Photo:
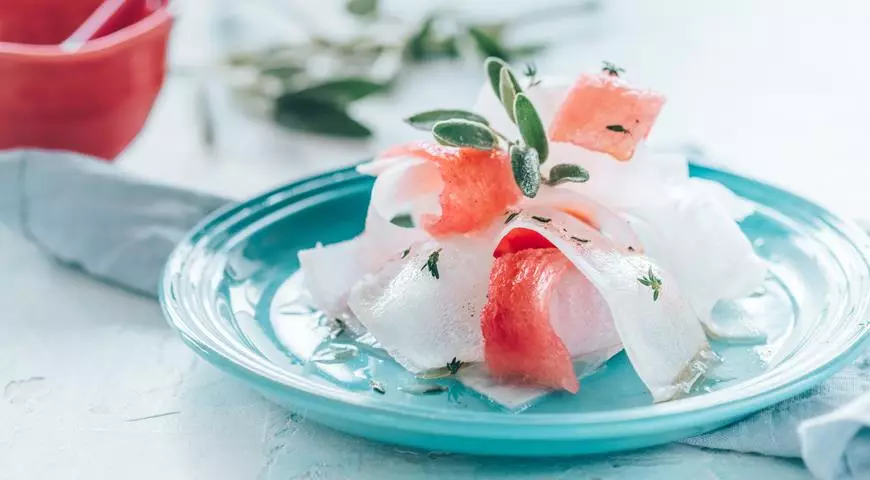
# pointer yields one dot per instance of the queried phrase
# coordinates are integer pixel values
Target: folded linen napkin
(120, 229)
(90, 215)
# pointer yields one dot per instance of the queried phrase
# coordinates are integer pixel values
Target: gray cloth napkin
(121, 230)
(86, 213)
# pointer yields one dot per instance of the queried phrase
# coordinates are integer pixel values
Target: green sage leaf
(566, 172)
(464, 133)
(342, 91)
(427, 120)
(507, 92)
(317, 116)
(487, 45)
(531, 128)
(525, 165)
(493, 67)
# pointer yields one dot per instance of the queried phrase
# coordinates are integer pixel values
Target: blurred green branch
(308, 86)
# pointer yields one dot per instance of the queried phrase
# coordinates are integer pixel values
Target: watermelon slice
(594, 304)
(520, 239)
(478, 186)
(602, 113)
(519, 341)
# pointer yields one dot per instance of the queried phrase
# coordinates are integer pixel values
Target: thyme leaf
(653, 282)
(377, 387)
(612, 69)
(618, 129)
(432, 264)
(454, 365)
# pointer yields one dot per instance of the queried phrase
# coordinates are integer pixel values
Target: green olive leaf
(427, 120)
(342, 91)
(418, 44)
(566, 172)
(531, 128)
(464, 133)
(525, 165)
(428, 44)
(317, 116)
(282, 71)
(487, 45)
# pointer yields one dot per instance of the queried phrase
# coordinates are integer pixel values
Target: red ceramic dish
(94, 100)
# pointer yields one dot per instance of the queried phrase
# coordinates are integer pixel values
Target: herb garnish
(580, 240)
(463, 129)
(340, 327)
(612, 69)
(406, 252)
(432, 264)
(510, 218)
(403, 220)
(541, 219)
(454, 366)
(618, 129)
(567, 172)
(377, 387)
(531, 72)
(526, 167)
(653, 282)
(426, 120)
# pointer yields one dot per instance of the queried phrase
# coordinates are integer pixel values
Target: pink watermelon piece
(597, 102)
(520, 239)
(520, 343)
(478, 186)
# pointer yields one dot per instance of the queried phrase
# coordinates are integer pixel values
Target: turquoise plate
(230, 290)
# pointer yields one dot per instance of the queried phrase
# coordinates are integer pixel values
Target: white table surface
(95, 386)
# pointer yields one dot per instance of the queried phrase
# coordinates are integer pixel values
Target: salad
(533, 237)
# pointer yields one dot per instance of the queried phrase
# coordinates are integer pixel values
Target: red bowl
(94, 100)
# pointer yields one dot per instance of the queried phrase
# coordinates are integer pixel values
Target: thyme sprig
(611, 69)
(618, 129)
(454, 365)
(653, 282)
(531, 72)
(432, 264)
